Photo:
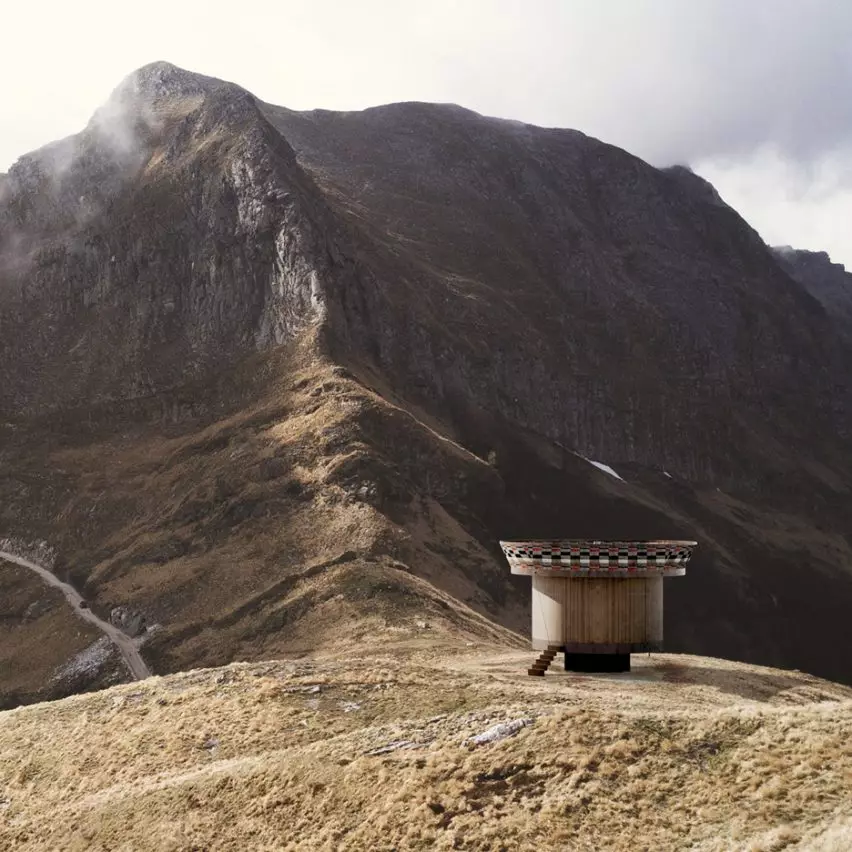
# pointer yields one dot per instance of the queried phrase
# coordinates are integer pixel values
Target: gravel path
(126, 645)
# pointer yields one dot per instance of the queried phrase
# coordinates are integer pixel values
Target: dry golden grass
(246, 538)
(682, 753)
(37, 629)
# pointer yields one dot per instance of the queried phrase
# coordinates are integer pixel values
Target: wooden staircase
(542, 664)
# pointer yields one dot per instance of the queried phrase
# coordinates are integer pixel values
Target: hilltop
(366, 754)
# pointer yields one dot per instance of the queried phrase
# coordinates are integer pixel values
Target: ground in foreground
(684, 752)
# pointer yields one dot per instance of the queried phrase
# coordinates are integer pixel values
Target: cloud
(676, 81)
(69, 181)
(667, 79)
(811, 208)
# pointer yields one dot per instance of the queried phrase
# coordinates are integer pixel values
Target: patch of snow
(604, 467)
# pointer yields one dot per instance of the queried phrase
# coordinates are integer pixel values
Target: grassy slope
(685, 752)
(312, 511)
(38, 630)
(248, 535)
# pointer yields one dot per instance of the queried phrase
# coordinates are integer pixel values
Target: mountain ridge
(828, 282)
(274, 339)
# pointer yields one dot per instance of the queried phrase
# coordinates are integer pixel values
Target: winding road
(125, 644)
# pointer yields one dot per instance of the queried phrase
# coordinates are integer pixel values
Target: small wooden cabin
(596, 601)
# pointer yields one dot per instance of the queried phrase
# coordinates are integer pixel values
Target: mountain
(829, 283)
(278, 381)
(365, 754)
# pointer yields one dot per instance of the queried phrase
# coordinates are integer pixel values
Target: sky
(755, 95)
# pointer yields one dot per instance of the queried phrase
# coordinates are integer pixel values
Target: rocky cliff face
(277, 381)
(166, 240)
(829, 283)
(573, 259)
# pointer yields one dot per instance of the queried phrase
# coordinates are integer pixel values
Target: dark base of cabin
(597, 662)
(592, 656)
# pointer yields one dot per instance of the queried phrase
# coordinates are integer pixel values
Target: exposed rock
(133, 623)
(499, 732)
(86, 666)
(39, 552)
(826, 281)
(37, 609)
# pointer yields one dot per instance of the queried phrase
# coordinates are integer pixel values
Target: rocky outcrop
(130, 621)
(39, 552)
(828, 282)
(169, 238)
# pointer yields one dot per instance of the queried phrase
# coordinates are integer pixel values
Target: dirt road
(126, 645)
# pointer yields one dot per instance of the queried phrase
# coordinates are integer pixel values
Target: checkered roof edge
(599, 555)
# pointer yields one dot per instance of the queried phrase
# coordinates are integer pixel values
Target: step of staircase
(542, 664)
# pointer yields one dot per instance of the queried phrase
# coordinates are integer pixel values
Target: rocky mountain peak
(161, 90)
(123, 128)
(153, 119)
(164, 80)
